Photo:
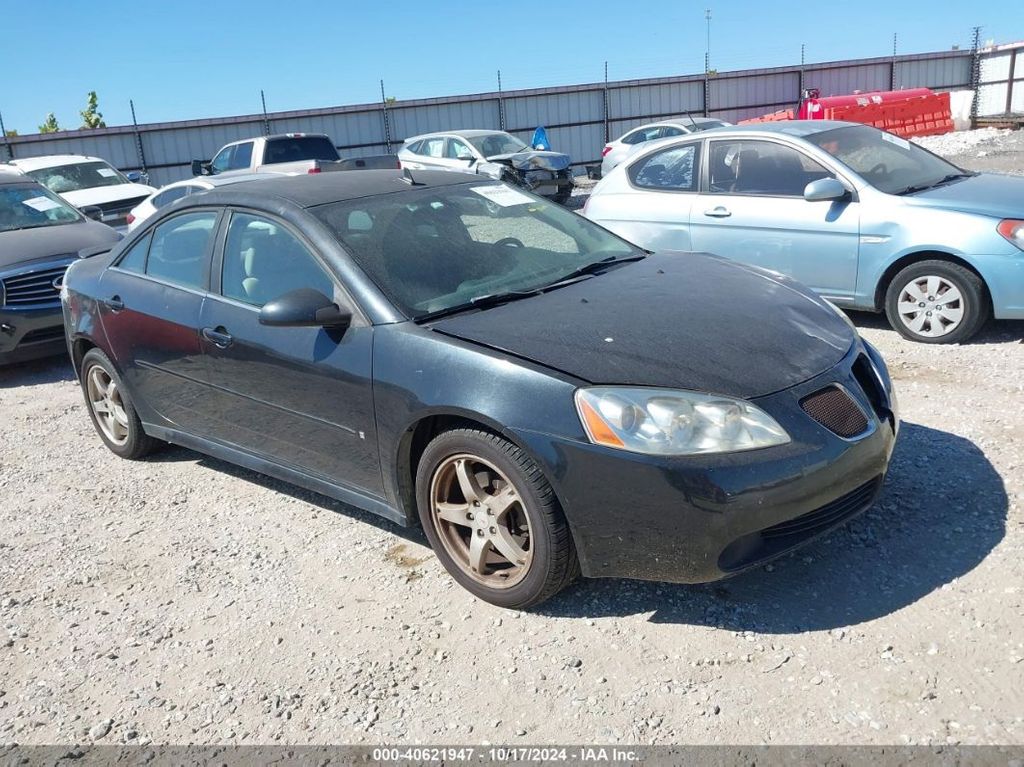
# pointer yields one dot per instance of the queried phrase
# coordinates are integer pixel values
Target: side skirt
(263, 466)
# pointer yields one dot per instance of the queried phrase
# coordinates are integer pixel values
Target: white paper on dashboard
(504, 196)
(42, 204)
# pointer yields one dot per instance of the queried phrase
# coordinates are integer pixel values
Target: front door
(752, 209)
(299, 396)
(151, 302)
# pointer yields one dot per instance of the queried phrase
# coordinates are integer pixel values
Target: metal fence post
(975, 75)
(266, 119)
(800, 78)
(7, 140)
(501, 105)
(892, 65)
(607, 133)
(1009, 85)
(138, 138)
(387, 121)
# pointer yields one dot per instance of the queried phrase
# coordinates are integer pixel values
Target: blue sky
(187, 59)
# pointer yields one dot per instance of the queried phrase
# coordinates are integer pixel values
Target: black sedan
(541, 396)
(40, 235)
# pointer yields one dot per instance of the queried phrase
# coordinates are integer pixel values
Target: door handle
(718, 212)
(219, 337)
(114, 303)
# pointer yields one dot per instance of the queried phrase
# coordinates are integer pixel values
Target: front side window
(178, 250)
(457, 150)
(433, 249)
(222, 161)
(760, 168)
(887, 162)
(433, 147)
(30, 206)
(263, 261)
(671, 169)
(641, 135)
(79, 175)
(170, 195)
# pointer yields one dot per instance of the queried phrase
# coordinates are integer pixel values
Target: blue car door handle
(219, 337)
(719, 211)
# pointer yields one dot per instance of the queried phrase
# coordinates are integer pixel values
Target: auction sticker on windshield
(106, 172)
(42, 204)
(504, 196)
(902, 143)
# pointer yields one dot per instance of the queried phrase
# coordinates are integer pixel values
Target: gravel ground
(183, 600)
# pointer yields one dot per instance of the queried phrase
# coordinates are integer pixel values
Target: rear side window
(641, 135)
(135, 259)
(178, 250)
(414, 147)
(166, 198)
(672, 169)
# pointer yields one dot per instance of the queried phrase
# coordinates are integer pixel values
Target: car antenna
(407, 178)
(692, 121)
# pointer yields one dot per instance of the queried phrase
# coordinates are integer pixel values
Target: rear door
(151, 301)
(301, 397)
(752, 209)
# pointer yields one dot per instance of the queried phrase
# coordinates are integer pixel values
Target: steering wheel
(880, 168)
(507, 242)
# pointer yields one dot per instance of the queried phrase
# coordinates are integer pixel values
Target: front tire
(493, 519)
(111, 408)
(936, 302)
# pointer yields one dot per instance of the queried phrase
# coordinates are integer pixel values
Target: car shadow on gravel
(36, 372)
(994, 331)
(942, 511)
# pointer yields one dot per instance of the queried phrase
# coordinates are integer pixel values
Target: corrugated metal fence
(579, 118)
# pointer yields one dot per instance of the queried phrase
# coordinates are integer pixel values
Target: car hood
(98, 195)
(26, 245)
(987, 194)
(534, 159)
(687, 321)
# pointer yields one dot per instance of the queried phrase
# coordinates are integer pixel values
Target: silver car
(618, 150)
(867, 219)
(492, 153)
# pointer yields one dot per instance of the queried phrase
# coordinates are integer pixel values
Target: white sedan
(618, 150)
(172, 192)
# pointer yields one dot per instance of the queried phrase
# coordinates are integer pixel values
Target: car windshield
(887, 162)
(492, 144)
(79, 175)
(431, 250)
(28, 206)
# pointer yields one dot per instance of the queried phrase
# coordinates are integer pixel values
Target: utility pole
(387, 122)
(266, 120)
(707, 61)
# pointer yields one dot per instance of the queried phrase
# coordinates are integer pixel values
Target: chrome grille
(33, 288)
(834, 409)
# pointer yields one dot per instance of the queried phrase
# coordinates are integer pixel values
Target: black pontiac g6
(541, 396)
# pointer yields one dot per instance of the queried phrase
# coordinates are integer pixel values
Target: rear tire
(111, 410)
(936, 302)
(472, 485)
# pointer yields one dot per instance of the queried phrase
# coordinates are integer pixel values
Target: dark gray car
(40, 235)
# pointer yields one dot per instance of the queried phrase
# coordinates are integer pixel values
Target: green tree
(91, 115)
(12, 133)
(50, 124)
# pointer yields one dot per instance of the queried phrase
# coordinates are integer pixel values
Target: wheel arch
(882, 287)
(80, 346)
(418, 435)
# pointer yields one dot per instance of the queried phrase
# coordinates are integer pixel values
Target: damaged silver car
(496, 154)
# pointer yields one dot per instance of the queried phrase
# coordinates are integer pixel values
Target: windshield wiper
(478, 302)
(593, 268)
(944, 180)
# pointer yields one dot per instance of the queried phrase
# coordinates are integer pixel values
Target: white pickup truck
(287, 153)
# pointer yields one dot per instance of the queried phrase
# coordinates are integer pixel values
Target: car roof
(460, 133)
(307, 191)
(52, 160)
(9, 179)
(795, 128)
(214, 181)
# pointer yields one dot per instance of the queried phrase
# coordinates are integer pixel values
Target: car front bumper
(27, 334)
(701, 518)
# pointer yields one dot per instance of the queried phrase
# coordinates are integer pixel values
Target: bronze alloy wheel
(481, 521)
(105, 400)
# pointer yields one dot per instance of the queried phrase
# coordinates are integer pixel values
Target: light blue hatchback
(867, 219)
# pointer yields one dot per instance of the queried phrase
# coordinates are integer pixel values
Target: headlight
(672, 422)
(1012, 230)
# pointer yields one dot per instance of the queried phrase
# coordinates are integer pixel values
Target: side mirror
(200, 168)
(95, 212)
(469, 160)
(137, 177)
(304, 308)
(825, 190)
